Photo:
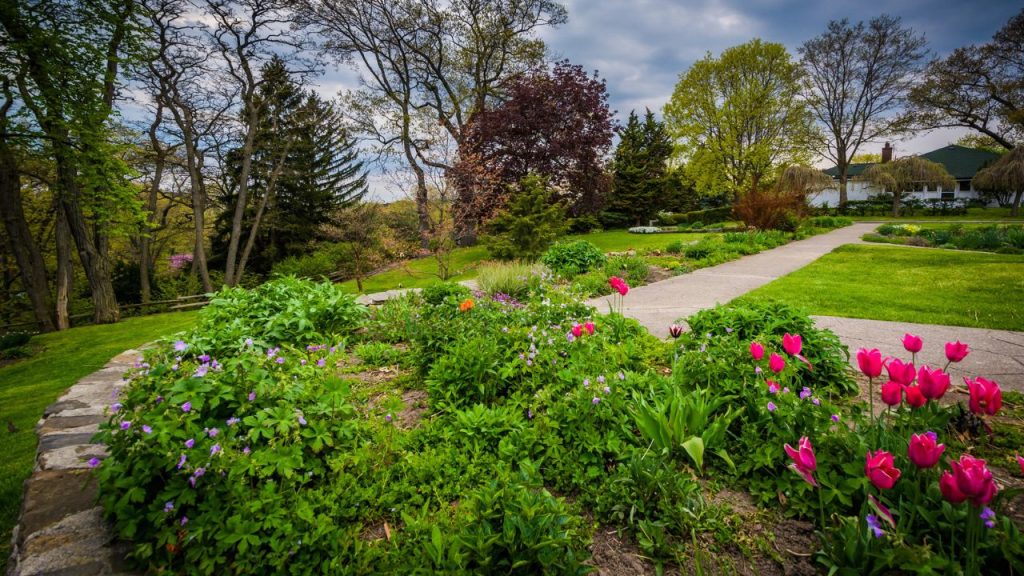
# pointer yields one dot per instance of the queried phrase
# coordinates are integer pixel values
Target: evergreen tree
(640, 184)
(529, 224)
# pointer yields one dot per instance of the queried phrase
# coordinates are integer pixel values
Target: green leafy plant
(570, 259)
(514, 279)
(529, 225)
(686, 422)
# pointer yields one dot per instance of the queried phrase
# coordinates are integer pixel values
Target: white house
(961, 162)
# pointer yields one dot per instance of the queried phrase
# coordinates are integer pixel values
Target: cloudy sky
(641, 46)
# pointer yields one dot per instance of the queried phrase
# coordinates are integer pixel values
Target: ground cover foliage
(257, 449)
(1002, 239)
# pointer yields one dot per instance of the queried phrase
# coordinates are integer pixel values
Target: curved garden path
(996, 354)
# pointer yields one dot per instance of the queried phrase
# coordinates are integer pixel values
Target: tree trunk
(895, 204)
(65, 271)
(26, 252)
(267, 197)
(1016, 203)
(243, 195)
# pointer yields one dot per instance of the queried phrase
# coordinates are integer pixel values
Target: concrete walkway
(995, 354)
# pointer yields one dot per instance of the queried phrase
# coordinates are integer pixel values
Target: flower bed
(255, 443)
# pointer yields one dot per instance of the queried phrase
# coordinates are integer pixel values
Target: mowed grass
(923, 285)
(28, 386)
(465, 261)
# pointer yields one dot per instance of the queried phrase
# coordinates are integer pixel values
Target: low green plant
(14, 340)
(686, 422)
(377, 353)
(633, 268)
(674, 247)
(514, 279)
(326, 259)
(570, 259)
(440, 292)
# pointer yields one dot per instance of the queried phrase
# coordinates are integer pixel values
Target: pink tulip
(892, 393)
(950, 491)
(912, 343)
(986, 397)
(675, 331)
(915, 399)
(589, 327)
(923, 451)
(974, 479)
(804, 462)
(1020, 460)
(792, 344)
(881, 469)
(933, 383)
(757, 351)
(619, 285)
(955, 351)
(900, 372)
(776, 363)
(577, 330)
(870, 362)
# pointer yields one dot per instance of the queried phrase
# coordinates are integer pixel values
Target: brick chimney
(886, 153)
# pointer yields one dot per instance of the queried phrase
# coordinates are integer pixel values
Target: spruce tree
(639, 181)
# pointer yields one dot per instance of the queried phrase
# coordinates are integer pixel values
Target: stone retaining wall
(61, 528)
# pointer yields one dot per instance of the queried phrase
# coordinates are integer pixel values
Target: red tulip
(949, 489)
(955, 351)
(933, 383)
(792, 344)
(986, 397)
(900, 372)
(589, 327)
(870, 362)
(757, 351)
(881, 470)
(776, 363)
(577, 330)
(914, 396)
(804, 462)
(923, 451)
(974, 479)
(892, 393)
(912, 343)
(619, 285)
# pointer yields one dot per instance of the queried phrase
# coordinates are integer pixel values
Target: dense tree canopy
(640, 186)
(738, 117)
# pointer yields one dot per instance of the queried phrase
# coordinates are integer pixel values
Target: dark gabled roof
(962, 162)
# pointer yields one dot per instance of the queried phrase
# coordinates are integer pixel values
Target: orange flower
(467, 304)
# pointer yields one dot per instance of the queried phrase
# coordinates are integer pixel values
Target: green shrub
(14, 340)
(377, 353)
(326, 259)
(702, 249)
(466, 375)
(592, 284)
(569, 259)
(441, 292)
(710, 215)
(633, 268)
(674, 247)
(529, 225)
(515, 279)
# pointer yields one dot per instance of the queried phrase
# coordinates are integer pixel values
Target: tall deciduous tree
(1005, 175)
(857, 80)
(554, 123)
(907, 174)
(639, 184)
(977, 87)
(738, 117)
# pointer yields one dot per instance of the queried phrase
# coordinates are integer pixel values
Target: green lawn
(972, 214)
(908, 285)
(27, 387)
(422, 272)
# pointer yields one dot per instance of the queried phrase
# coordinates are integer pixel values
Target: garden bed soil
(613, 555)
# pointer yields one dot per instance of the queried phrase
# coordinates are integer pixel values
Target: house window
(948, 196)
(965, 185)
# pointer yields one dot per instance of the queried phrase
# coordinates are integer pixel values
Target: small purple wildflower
(757, 370)
(212, 432)
(201, 371)
(728, 330)
(126, 425)
(622, 376)
(932, 435)
(94, 462)
(989, 516)
(168, 506)
(252, 396)
(816, 401)
(570, 337)
(773, 389)
(786, 390)
(387, 418)
(159, 399)
(280, 360)
(600, 379)
(835, 417)
(181, 461)
(607, 390)
(174, 367)
(302, 420)
(272, 352)
(529, 414)
(190, 443)
(321, 362)
(184, 520)
(595, 401)
(180, 346)
(205, 358)
(147, 428)
(529, 362)
(302, 362)
(873, 525)
(246, 450)
(248, 342)
(703, 347)
(586, 382)
(187, 406)
(215, 449)
(233, 420)
(805, 393)
(772, 407)
(115, 407)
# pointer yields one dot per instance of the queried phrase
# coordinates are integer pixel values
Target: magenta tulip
(986, 397)
(577, 330)
(619, 285)
(913, 344)
(870, 362)
(792, 344)
(804, 462)
(974, 479)
(892, 393)
(589, 327)
(950, 491)
(1020, 460)
(915, 399)
(776, 363)
(881, 470)
(901, 372)
(924, 451)
(933, 383)
(955, 351)
(756, 350)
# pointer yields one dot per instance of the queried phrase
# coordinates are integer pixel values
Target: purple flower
(815, 401)
(115, 407)
(184, 520)
(728, 330)
(205, 358)
(932, 435)
(248, 342)
(159, 399)
(757, 370)
(595, 401)
(180, 346)
(786, 390)
(773, 389)
(174, 367)
(181, 461)
(321, 362)
(252, 396)
(215, 449)
(232, 421)
(607, 390)
(529, 362)
(529, 414)
(703, 347)
(201, 371)
(989, 516)
(805, 393)
(94, 462)
(772, 407)
(835, 417)
(190, 443)
(212, 432)
(586, 382)
(196, 474)
(302, 421)
(873, 525)
(147, 429)
(387, 418)
(126, 425)
(600, 379)
(280, 360)
(569, 337)
(168, 506)
(622, 376)
(246, 450)
(272, 352)
(302, 362)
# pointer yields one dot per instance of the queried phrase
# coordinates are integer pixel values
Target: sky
(640, 47)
